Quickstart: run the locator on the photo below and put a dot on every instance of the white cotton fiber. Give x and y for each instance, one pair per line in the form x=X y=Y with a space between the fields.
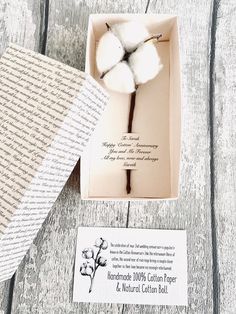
x=127 y=57
x=120 y=78
x=131 y=34
x=145 y=63
x=109 y=52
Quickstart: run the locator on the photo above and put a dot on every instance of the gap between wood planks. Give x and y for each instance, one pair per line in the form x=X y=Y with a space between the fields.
x=215 y=264
x=44 y=11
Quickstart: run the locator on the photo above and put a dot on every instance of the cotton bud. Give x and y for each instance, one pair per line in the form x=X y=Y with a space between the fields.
x=106 y=58
x=145 y=63
x=131 y=34
x=89 y=270
x=104 y=245
x=88 y=253
x=83 y=271
x=127 y=57
x=86 y=269
x=100 y=242
x=102 y=261
x=120 y=78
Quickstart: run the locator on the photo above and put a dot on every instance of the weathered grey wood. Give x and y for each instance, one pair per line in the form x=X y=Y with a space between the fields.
x=45 y=279
x=4 y=296
x=224 y=132
x=193 y=209
x=19 y=23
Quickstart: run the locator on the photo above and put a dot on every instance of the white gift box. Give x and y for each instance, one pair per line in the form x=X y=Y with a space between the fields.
x=152 y=152
x=48 y=114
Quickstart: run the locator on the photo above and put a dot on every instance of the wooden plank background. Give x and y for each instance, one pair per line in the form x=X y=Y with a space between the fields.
x=224 y=154
x=207 y=203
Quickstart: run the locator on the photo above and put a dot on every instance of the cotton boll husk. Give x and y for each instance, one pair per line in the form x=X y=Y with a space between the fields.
x=131 y=34
x=145 y=63
x=120 y=79
x=109 y=52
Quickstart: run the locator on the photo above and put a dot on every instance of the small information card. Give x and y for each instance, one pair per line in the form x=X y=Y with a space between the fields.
x=133 y=266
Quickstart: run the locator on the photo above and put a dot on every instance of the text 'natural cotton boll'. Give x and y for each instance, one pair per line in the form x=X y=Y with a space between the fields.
x=109 y=52
x=131 y=34
x=145 y=63
x=120 y=78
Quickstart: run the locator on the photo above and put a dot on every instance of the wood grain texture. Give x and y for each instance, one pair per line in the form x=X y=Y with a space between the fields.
x=4 y=296
x=192 y=211
x=44 y=280
x=19 y=23
x=225 y=152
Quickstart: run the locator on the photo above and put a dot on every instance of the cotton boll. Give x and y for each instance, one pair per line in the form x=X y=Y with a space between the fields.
x=120 y=79
x=131 y=34
x=145 y=63
x=109 y=52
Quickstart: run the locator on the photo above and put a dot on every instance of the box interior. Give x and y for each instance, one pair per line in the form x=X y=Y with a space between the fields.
x=156 y=122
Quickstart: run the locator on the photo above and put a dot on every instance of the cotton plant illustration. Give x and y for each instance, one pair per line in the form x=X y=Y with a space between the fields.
x=93 y=261
x=127 y=58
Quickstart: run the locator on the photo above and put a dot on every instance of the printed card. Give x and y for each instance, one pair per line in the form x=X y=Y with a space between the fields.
x=133 y=266
x=48 y=113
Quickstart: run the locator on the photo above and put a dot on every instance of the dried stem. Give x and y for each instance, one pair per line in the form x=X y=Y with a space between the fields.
x=157 y=37
x=128 y=179
x=130 y=124
x=131 y=111
x=95 y=267
x=91 y=284
x=131 y=116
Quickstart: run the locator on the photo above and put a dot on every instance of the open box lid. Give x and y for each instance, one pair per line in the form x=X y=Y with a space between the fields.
x=48 y=114
x=156 y=23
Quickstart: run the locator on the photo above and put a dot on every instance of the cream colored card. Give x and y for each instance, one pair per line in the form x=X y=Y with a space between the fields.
x=133 y=266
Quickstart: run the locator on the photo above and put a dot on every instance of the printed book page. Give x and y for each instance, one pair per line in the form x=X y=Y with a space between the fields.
x=48 y=112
